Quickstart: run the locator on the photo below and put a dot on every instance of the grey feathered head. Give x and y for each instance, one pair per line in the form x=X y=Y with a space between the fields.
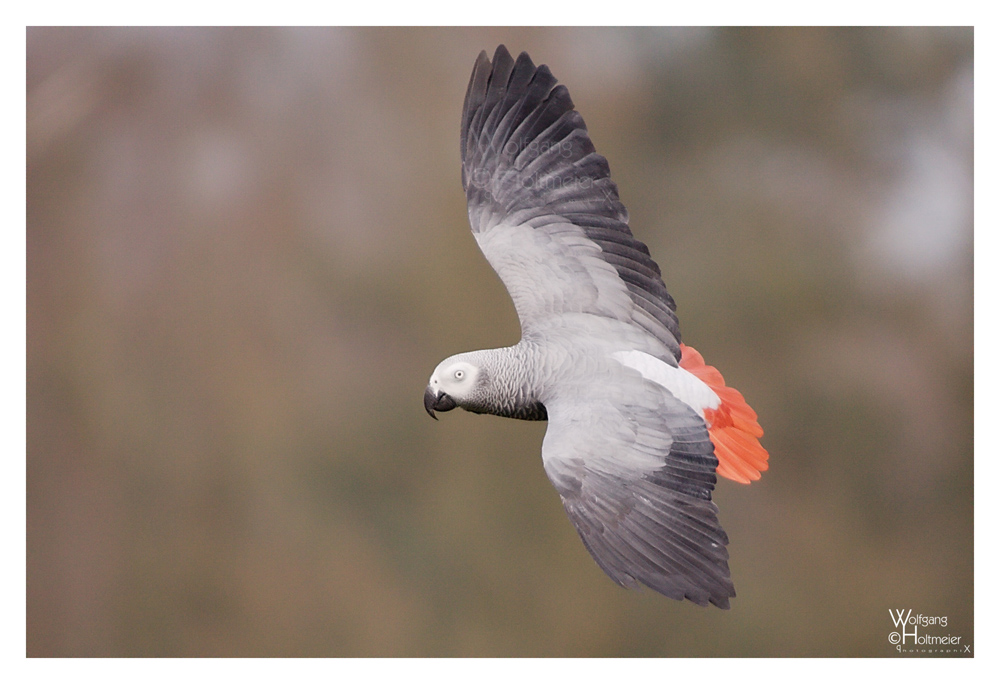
x=457 y=381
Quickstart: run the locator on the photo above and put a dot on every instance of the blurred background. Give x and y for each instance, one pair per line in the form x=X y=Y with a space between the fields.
x=247 y=250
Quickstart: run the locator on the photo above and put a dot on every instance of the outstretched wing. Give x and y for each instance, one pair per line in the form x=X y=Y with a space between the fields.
x=635 y=470
x=546 y=213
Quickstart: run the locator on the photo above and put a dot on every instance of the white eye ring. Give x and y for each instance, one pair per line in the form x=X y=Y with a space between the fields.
x=459 y=374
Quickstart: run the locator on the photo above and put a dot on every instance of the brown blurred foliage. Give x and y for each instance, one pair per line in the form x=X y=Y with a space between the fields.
x=247 y=249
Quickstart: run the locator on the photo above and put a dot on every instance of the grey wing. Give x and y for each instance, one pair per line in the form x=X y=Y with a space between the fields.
x=635 y=469
x=545 y=211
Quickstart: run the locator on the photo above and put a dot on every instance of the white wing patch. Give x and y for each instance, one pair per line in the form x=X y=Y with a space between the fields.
x=679 y=382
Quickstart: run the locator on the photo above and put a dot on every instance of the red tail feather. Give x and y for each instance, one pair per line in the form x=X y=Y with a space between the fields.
x=733 y=426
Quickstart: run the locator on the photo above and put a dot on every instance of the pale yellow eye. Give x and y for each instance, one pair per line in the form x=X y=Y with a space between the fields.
x=459 y=374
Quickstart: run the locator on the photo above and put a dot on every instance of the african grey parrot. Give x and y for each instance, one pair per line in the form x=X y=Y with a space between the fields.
x=638 y=425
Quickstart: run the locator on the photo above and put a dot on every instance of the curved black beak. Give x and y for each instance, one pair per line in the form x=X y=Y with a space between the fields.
x=437 y=402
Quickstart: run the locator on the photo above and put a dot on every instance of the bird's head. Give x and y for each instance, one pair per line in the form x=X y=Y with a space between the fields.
x=452 y=384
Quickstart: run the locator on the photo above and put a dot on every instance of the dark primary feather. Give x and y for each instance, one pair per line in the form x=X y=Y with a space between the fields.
x=527 y=159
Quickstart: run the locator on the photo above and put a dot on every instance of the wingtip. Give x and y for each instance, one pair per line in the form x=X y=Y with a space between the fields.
x=501 y=53
x=721 y=602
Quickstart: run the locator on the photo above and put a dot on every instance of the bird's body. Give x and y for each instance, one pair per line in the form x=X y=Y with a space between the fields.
x=638 y=424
